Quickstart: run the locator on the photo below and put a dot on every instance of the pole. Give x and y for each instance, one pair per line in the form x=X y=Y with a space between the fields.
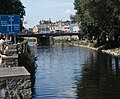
x=15 y=41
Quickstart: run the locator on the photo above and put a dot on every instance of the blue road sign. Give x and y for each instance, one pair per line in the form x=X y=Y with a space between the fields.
x=10 y=24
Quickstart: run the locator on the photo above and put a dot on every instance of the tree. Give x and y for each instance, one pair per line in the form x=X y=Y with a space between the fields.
x=12 y=7
x=100 y=15
x=83 y=15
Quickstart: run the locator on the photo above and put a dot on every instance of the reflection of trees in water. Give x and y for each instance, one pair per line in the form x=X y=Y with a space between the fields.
x=101 y=78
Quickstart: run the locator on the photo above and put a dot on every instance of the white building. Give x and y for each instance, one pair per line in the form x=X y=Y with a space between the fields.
x=36 y=29
x=66 y=28
x=62 y=26
x=74 y=27
x=42 y=28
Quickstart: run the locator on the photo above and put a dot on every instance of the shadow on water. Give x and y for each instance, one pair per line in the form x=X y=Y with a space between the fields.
x=101 y=78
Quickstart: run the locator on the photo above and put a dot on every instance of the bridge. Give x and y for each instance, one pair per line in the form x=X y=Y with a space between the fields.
x=47 y=38
x=48 y=34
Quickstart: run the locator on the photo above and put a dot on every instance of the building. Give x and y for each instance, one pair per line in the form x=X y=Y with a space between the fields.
x=74 y=27
x=43 y=27
x=54 y=27
x=36 y=29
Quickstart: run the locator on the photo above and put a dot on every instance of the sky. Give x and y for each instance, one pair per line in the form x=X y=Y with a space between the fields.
x=55 y=10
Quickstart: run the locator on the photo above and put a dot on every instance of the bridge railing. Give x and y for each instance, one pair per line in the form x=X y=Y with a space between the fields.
x=10 y=56
x=22 y=47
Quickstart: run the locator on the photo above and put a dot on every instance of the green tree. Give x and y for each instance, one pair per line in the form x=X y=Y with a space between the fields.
x=12 y=7
x=83 y=15
x=100 y=18
x=107 y=15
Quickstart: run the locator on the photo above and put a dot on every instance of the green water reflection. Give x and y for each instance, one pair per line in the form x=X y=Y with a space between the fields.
x=101 y=78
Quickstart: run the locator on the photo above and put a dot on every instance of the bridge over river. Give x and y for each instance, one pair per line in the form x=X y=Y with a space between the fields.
x=47 y=38
x=49 y=34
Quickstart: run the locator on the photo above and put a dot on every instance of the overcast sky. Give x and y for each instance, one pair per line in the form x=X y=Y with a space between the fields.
x=37 y=10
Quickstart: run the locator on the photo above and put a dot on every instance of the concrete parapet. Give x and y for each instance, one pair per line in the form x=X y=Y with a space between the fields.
x=12 y=46
x=11 y=52
x=13 y=72
x=9 y=61
x=15 y=83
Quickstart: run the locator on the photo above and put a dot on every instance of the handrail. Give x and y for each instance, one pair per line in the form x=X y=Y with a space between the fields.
x=21 y=47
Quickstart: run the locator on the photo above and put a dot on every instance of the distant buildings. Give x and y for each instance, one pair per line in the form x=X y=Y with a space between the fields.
x=43 y=27
x=46 y=26
x=75 y=27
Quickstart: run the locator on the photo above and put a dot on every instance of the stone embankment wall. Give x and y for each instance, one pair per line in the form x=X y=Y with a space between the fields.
x=15 y=88
x=15 y=81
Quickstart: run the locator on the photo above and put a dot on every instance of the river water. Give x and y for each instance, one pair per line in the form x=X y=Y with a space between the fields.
x=68 y=72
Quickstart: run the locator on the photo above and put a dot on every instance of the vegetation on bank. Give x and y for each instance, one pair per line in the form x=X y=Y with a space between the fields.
x=92 y=45
x=59 y=40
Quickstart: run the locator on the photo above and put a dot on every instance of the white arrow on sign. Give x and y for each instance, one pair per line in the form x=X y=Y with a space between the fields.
x=11 y=20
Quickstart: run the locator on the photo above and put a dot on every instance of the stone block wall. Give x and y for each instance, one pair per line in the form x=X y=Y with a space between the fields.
x=15 y=81
x=15 y=89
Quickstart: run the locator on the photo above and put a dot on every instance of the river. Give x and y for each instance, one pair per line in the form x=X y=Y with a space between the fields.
x=69 y=72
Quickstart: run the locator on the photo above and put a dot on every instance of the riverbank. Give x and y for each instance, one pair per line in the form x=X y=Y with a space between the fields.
x=90 y=45
x=27 y=59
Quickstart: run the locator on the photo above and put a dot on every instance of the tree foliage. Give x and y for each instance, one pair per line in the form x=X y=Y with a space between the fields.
x=100 y=18
x=12 y=7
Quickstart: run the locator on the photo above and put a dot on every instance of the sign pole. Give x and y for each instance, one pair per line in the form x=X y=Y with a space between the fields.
x=15 y=41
